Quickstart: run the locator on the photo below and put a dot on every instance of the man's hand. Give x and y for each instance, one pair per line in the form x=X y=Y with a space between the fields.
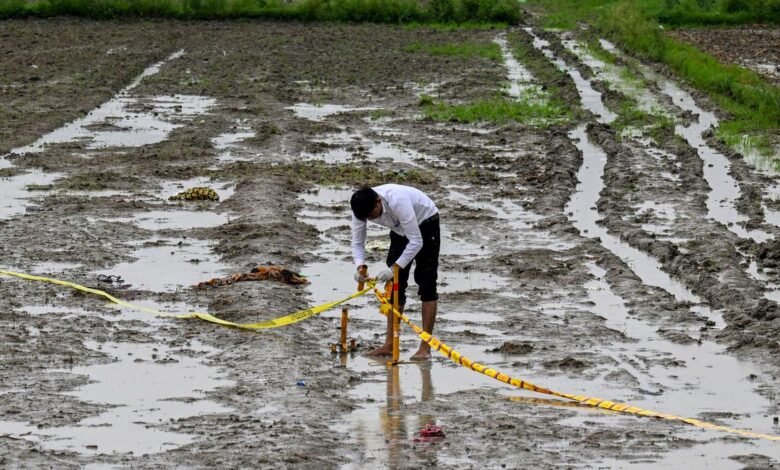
x=386 y=275
x=359 y=274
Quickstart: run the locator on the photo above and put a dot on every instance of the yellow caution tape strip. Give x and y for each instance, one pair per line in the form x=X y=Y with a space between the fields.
x=454 y=355
x=275 y=323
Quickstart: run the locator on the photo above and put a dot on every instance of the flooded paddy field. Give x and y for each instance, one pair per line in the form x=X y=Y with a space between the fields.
x=592 y=259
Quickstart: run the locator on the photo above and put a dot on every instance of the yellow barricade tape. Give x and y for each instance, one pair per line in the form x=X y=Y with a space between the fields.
x=454 y=355
x=275 y=323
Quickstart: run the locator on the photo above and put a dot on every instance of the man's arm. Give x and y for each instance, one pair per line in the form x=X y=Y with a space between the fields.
x=358 y=241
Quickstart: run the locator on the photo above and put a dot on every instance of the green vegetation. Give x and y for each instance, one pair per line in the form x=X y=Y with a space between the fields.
x=466 y=49
x=376 y=11
x=565 y=14
x=535 y=106
x=500 y=110
x=554 y=81
x=704 y=12
x=752 y=103
x=657 y=125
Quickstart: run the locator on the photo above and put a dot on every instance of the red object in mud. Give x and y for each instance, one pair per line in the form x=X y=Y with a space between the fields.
x=429 y=433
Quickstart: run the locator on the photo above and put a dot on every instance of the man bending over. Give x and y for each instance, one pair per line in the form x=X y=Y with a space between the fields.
x=413 y=220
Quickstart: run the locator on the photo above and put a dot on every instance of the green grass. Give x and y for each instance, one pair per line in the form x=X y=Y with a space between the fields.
x=718 y=12
x=548 y=75
x=657 y=125
x=565 y=14
x=466 y=49
x=500 y=110
x=376 y=11
x=753 y=104
x=464 y=26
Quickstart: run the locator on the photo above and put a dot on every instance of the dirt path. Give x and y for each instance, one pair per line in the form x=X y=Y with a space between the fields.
x=573 y=257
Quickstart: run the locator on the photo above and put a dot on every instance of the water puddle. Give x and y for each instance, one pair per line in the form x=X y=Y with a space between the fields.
x=16 y=195
x=52 y=267
x=512 y=216
x=65 y=312
x=615 y=76
x=582 y=205
x=351 y=148
x=170 y=265
x=772 y=288
x=147 y=385
x=467 y=281
x=126 y=120
x=318 y=112
x=384 y=429
x=721 y=200
x=689 y=378
x=229 y=144
x=521 y=82
x=585 y=216
x=591 y=99
x=179 y=220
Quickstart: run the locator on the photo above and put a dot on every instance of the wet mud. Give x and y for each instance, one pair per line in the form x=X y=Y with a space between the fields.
x=574 y=256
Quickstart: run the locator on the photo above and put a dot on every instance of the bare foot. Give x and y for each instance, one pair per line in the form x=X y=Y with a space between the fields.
x=421 y=355
x=383 y=350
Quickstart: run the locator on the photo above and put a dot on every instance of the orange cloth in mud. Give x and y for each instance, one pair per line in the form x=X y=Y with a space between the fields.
x=260 y=273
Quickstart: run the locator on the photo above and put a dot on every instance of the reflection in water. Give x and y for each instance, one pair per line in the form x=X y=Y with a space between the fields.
x=393 y=419
x=386 y=431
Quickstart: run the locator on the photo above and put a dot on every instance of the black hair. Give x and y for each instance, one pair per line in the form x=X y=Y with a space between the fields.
x=363 y=202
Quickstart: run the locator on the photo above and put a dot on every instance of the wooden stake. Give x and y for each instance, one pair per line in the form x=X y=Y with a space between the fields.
x=396 y=320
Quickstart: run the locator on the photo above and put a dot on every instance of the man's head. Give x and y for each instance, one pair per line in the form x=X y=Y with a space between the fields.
x=366 y=203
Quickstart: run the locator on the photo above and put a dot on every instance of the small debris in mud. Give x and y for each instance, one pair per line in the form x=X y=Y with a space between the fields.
x=260 y=273
x=111 y=278
x=567 y=363
x=430 y=433
x=512 y=348
x=198 y=193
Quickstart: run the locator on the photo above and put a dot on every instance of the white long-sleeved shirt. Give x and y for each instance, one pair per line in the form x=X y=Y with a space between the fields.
x=403 y=210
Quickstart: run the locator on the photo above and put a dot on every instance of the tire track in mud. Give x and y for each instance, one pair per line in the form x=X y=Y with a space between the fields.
x=585 y=216
x=731 y=286
x=663 y=355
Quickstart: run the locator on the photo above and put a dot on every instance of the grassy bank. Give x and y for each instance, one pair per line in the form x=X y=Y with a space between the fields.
x=565 y=14
x=752 y=103
x=377 y=11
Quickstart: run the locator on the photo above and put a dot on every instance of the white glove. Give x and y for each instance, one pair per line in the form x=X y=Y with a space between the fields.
x=360 y=278
x=386 y=275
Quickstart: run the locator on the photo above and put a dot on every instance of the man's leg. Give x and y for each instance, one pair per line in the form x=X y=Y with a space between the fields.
x=386 y=349
x=397 y=246
x=428 y=319
x=426 y=275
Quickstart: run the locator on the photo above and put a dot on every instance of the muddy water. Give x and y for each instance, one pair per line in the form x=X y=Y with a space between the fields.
x=585 y=217
x=582 y=205
x=320 y=112
x=127 y=120
x=229 y=145
x=696 y=385
x=721 y=201
x=16 y=196
x=379 y=429
x=145 y=385
x=520 y=79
